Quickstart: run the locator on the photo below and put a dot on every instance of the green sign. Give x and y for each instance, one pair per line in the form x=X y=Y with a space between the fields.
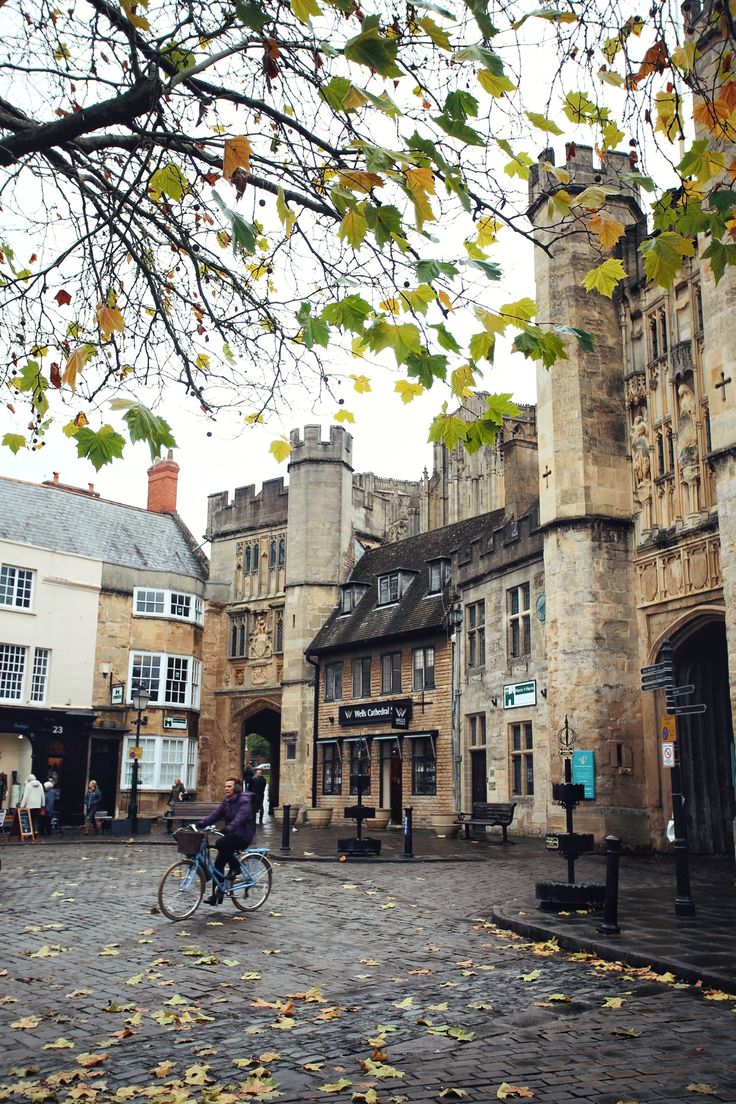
x=583 y=772
x=518 y=694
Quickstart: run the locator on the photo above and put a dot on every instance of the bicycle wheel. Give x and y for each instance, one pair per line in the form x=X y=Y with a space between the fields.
x=258 y=872
x=181 y=889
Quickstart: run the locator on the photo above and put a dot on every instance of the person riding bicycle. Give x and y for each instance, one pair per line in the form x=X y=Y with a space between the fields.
x=236 y=809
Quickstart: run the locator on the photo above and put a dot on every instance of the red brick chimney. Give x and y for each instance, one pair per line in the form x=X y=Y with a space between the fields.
x=163 y=476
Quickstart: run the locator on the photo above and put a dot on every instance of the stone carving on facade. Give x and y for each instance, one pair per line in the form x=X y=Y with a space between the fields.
x=687 y=450
x=681 y=358
x=259 y=675
x=636 y=390
x=398 y=531
x=236 y=704
x=642 y=466
x=239 y=675
x=653 y=376
x=259 y=646
x=691 y=569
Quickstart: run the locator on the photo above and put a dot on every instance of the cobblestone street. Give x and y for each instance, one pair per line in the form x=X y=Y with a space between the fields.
x=369 y=983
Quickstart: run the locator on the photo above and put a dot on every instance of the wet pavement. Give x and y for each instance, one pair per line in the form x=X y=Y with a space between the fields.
x=383 y=982
x=699 y=948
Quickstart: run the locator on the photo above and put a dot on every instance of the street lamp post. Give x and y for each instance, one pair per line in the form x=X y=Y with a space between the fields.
x=140 y=699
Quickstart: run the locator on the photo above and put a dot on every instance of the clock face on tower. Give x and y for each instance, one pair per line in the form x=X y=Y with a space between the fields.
x=541 y=607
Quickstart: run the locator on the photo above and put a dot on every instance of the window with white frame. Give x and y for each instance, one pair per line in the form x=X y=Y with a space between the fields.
x=40 y=675
x=179 y=605
x=388 y=588
x=170 y=680
x=16 y=586
x=12 y=670
x=519 y=620
x=423 y=678
x=439 y=575
x=163 y=759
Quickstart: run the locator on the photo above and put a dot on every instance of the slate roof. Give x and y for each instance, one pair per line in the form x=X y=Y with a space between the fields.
x=94 y=527
x=417 y=612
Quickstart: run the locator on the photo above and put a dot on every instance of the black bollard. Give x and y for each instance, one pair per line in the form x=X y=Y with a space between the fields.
x=408 y=833
x=610 y=905
x=285 y=828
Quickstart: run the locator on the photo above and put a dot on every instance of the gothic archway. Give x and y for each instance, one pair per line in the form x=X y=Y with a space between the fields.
x=265 y=721
x=706 y=741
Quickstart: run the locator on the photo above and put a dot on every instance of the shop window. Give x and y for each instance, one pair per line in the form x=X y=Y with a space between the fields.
x=423 y=766
x=360 y=764
x=331 y=770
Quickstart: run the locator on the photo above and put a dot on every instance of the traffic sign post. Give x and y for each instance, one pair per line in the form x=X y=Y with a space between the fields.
x=661 y=676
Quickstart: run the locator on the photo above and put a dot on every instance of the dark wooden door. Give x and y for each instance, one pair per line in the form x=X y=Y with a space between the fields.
x=706 y=742
x=397 y=794
x=478 y=784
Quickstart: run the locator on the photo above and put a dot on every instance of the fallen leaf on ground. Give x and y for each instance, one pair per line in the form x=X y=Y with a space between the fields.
x=505 y=1091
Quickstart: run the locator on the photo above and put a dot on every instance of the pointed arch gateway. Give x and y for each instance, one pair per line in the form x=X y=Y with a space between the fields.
x=705 y=741
x=263 y=718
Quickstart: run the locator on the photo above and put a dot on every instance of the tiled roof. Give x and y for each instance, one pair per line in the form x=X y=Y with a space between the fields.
x=417 y=611
x=85 y=526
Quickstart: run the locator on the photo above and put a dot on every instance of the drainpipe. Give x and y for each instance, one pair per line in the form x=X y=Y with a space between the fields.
x=315 y=725
x=455 y=621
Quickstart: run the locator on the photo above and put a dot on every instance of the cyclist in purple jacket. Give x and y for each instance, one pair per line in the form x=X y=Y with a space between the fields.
x=236 y=810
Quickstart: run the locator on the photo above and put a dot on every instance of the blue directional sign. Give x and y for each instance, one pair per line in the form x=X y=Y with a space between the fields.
x=583 y=771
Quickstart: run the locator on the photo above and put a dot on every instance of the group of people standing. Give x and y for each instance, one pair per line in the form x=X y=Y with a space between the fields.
x=42 y=801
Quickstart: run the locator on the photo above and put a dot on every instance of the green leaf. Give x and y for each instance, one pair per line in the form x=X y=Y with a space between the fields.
x=418 y=299
x=350 y=313
x=579 y=108
x=169 y=181
x=384 y=223
x=720 y=256
x=604 y=278
x=583 y=337
x=479 y=9
x=448 y=429
x=403 y=339
x=537 y=344
x=445 y=338
x=314 y=329
x=493 y=85
x=482 y=346
x=99 y=448
x=354 y=226
x=489 y=268
x=14 y=441
x=144 y=425
x=430 y=270
x=702 y=162
x=663 y=256
x=242 y=231
x=182 y=58
x=541 y=122
x=549 y=14
x=427 y=367
x=644 y=182
x=373 y=49
x=251 y=15
x=305 y=9
x=437 y=34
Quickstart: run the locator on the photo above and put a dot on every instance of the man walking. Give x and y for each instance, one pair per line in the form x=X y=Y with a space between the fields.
x=259 y=789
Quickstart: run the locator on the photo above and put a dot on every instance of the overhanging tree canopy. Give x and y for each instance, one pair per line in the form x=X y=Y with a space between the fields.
x=234 y=196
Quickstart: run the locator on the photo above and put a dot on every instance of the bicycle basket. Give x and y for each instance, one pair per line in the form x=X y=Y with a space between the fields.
x=188 y=842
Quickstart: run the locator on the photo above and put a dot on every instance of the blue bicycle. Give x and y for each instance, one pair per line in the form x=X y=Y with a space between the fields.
x=182 y=887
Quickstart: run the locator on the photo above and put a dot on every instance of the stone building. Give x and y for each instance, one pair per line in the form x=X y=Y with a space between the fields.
x=96 y=597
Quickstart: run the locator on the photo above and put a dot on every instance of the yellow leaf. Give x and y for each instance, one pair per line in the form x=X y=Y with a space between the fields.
x=445 y=300
x=88 y=1060
x=236 y=155
x=408 y=391
x=613 y=1002
x=360 y=181
x=562 y=175
x=420 y=185
x=407 y=1002
x=202 y=361
x=604 y=277
x=505 y=1091
x=336 y=1086
x=163 y=1069
x=390 y=305
x=706 y=1090
x=197 y=1075
x=607 y=230
x=487 y=230
x=280 y=449
x=360 y=383
x=75 y=364
x=344 y=416
x=354 y=227
x=59 y=1044
x=285 y=213
x=109 y=319
x=592 y=198
x=303 y=9
x=494 y=84
x=463 y=381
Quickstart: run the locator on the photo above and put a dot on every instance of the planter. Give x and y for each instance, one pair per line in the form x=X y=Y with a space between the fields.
x=319 y=818
x=293 y=815
x=380 y=820
x=444 y=825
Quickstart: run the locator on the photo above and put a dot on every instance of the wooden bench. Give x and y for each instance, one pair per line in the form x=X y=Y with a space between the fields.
x=189 y=812
x=488 y=814
x=104 y=819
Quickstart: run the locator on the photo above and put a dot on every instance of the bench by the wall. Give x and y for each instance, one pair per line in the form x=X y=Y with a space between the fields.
x=189 y=812
x=488 y=814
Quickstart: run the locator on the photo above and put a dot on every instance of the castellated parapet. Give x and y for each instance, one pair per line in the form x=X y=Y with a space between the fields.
x=312 y=449
x=584 y=173
x=248 y=510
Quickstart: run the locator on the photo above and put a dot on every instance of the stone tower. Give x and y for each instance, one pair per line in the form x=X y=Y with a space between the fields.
x=586 y=507
x=320 y=552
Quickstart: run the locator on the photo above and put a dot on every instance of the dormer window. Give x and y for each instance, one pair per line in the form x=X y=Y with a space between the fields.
x=439 y=575
x=394 y=586
x=351 y=595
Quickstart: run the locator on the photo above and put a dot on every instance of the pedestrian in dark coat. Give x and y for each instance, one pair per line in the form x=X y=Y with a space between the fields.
x=237 y=811
x=92 y=802
x=259 y=790
x=248 y=777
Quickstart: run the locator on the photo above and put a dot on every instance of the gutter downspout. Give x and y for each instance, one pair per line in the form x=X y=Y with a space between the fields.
x=315 y=726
